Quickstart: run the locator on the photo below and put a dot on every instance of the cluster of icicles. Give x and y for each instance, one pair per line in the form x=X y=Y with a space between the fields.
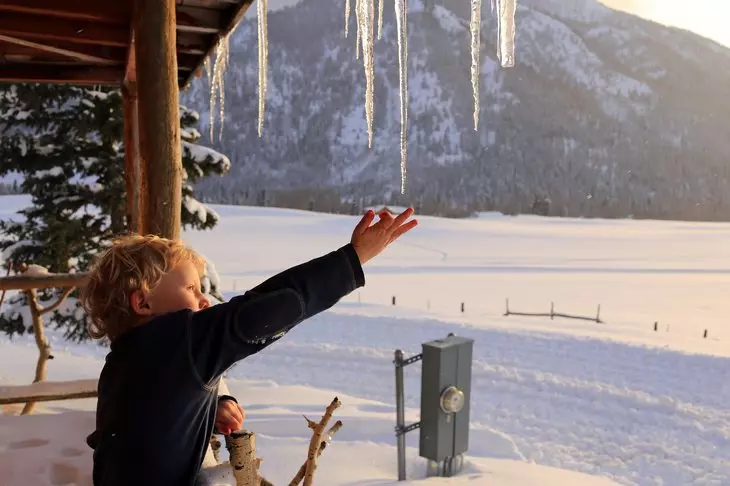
x=364 y=42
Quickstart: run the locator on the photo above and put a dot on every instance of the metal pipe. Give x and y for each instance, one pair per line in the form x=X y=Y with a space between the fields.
x=400 y=415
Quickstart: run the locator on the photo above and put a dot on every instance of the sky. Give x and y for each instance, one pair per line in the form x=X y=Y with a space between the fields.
x=708 y=18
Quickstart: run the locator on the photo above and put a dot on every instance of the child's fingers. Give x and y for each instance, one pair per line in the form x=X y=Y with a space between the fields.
x=403 y=229
x=229 y=419
x=364 y=222
x=232 y=409
x=222 y=428
x=242 y=411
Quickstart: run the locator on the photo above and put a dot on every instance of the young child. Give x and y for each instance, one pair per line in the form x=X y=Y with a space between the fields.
x=158 y=389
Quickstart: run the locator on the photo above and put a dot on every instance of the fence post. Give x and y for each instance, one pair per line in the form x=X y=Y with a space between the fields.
x=598 y=314
x=552 y=310
x=400 y=415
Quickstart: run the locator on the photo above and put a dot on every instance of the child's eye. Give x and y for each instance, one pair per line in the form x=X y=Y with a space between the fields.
x=191 y=287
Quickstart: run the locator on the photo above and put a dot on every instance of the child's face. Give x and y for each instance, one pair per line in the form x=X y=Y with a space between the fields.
x=178 y=290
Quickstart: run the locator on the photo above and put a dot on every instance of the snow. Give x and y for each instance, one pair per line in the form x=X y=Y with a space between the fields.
x=7 y=253
x=196 y=208
x=553 y=402
x=36 y=271
x=448 y=20
x=201 y=154
x=54 y=172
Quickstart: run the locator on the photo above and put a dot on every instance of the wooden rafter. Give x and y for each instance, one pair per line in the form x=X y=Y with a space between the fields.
x=86 y=75
x=230 y=24
x=77 y=36
x=78 y=31
x=91 y=11
x=73 y=54
x=11 y=51
x=199 y=20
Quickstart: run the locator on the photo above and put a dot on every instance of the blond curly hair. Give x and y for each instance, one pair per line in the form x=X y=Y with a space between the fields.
x=132 y=263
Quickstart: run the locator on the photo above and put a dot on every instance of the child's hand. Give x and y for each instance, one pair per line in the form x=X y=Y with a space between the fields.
x=229 y=417
x=370 y=241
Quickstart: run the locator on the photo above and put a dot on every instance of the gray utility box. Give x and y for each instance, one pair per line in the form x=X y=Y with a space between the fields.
x=445 y=395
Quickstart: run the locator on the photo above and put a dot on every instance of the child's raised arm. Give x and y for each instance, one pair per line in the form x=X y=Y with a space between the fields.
x=225 y=333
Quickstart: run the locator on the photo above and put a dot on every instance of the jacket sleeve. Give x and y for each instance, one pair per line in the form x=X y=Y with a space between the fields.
x=226 y=333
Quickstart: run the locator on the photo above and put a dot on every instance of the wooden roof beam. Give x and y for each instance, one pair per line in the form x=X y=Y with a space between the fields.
x=81 y=32
x=199 y=20
x=113 y=11
x=35 y=73
x=116 y=54
x=73 y=54
x=230 y=21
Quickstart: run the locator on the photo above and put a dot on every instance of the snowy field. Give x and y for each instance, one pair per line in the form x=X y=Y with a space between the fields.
x=555 y=402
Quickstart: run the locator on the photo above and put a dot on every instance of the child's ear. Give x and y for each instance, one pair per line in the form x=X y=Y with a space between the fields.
x=138 y=302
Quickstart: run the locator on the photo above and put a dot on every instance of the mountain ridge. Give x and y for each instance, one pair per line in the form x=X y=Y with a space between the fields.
x=604 y=113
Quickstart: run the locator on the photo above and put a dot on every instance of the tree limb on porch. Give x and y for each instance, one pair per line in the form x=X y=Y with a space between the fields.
x=49 y=281
x=48 y=391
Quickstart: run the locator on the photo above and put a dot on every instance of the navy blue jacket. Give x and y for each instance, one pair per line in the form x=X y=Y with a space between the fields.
x=158 y=389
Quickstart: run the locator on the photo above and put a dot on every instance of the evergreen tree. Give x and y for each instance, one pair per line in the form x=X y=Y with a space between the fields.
x=67 y=143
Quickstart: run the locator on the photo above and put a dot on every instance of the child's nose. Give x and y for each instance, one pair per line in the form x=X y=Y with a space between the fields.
x=204 y=302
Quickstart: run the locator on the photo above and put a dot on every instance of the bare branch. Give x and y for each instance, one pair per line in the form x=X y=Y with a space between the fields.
x=60 y=300
x=2 y=296
x=310 y=423
x=44 y=348
x=314 y=443
x=322 y=446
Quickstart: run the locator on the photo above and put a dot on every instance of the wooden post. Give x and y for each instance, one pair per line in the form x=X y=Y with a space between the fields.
x=44 y=348
x=159 y=116
x=131 y=155
x=241 y=446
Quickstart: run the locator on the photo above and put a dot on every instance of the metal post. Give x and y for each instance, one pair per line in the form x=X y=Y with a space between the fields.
x=400 y=415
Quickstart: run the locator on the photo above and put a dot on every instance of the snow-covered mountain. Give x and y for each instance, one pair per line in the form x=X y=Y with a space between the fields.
x=605 y=113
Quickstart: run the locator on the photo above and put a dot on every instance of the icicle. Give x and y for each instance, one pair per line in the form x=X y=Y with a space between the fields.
x=401 y=20
x=217 y=90
x=506 y=32
x=366 y=31
x=381 y=4
x=347 y=17
x=475 y=26
x=206 y=68
x=358 y=22
x=263 y=39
